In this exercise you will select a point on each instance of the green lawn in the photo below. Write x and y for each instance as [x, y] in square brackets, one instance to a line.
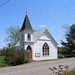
[2, 62]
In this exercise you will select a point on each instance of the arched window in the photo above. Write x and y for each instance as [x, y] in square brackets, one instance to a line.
[45, 49]
[28, 48]
[28, 37]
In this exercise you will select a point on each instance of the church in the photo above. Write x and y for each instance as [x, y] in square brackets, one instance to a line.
[41, 44]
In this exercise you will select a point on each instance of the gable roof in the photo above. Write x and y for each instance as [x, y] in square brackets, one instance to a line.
[52, 37]
[26, 24]
[38, 34]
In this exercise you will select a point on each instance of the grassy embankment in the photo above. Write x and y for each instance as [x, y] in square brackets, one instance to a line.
[2, 62]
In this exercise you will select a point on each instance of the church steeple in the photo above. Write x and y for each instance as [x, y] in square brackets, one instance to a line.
[26, 24]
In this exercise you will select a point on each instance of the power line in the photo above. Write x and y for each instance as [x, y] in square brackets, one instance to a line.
[4, 3]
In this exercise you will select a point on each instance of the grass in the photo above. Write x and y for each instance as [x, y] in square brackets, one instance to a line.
[2, 62]
[72, 72]
[62, 70]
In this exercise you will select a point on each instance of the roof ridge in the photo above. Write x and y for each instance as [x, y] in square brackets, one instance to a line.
[40, 30]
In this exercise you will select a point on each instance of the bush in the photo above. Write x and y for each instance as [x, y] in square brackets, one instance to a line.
[2, 51]
[9, 56]
[2, 62]
[60, 56]
[20, 57]
[13, 57]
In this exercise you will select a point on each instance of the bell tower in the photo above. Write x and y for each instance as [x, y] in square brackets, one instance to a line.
[26, 32]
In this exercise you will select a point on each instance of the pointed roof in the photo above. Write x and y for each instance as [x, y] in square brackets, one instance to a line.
[38, 34]
[26, 24]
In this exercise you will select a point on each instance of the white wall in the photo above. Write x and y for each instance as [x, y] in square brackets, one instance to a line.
[37, 46]
[38, 49]
[25, 37]
[24, 33]
[23, 40]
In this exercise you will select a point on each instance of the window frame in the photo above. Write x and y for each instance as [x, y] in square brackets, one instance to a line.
[29, 37]
[45, 50]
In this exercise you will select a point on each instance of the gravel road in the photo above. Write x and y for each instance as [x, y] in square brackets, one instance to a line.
[37, 68]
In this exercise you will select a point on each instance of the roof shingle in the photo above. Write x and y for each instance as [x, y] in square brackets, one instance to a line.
[26, 24]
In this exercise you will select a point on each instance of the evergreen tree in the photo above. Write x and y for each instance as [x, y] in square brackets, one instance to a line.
[69, 45]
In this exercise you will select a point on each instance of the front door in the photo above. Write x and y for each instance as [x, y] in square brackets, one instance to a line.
[28, 53]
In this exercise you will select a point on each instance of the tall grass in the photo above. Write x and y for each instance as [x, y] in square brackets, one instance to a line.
[62, 70]
[2, 62]
[72, 72]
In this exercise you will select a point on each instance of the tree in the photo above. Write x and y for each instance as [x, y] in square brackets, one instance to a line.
[69, 45]
[3, 51]
[13, 35]
[60, 52]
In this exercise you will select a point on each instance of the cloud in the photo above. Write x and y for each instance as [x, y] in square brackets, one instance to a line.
[42, 26]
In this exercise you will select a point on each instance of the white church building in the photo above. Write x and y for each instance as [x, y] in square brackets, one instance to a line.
[41, 44]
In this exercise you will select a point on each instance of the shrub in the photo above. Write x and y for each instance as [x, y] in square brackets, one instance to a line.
[60, 56]
[2, 62]
[9, 56]
[3, 51]
[13, 57]
[20, 57]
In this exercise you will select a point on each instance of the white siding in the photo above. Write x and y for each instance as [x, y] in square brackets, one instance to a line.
[44, 37]
[38, 44]
[38, 49]
[26, 37]
[24, 33]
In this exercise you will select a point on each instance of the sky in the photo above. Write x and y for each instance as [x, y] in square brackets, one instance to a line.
[50, 14]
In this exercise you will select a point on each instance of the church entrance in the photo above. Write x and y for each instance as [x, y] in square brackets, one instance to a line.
[28, 53]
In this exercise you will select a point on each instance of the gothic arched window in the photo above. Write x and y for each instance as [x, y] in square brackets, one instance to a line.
[45, 49]
[28, 37]
[28, 48]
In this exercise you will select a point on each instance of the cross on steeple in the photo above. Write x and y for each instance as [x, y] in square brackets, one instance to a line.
[26, 12]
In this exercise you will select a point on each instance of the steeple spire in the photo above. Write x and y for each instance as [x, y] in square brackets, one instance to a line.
[26, 24]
